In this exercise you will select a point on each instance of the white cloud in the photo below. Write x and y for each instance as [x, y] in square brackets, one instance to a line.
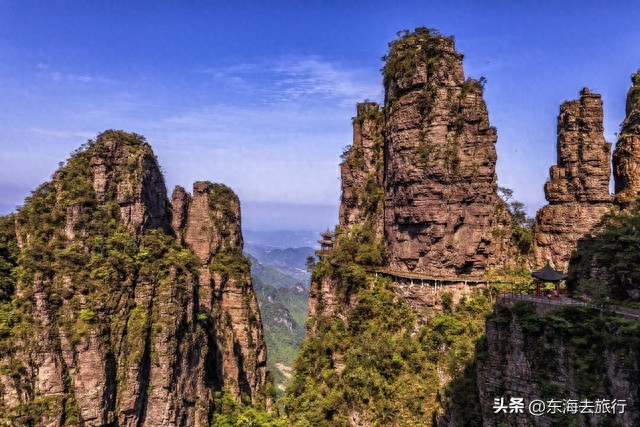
[305, 77]
[272, 130]
[300, 78]
[66, 76]
[61, 133]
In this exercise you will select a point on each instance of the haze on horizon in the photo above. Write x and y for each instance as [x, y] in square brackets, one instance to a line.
[260, 97]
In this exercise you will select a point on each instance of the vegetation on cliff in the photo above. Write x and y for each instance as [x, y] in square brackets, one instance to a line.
[97, 299]
[370, 193]
[380, 366]
[571, 352]
[521, 226]
[79, 286]
[606, 265]
[8, 257]
[355, 251]
[411, 51]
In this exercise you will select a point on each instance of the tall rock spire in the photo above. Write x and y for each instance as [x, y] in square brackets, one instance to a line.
[626, 157]
[225, 291]
[578, 187]
[362, 171]
[441, 186]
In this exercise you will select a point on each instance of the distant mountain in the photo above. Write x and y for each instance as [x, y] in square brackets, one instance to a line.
[272, 276]
[283, 306]
[290, 261]
[282, 238]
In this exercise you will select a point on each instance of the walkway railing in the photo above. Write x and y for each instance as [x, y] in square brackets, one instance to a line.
[542, 300]
[565, 301]
[439, 283]
[398, 276]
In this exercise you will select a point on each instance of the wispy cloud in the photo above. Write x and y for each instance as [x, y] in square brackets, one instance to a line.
[311, 76]
[300, 78]
[60, 133]
[72, 77]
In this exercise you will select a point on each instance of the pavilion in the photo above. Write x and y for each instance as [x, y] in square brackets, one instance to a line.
[326, 244]
[548, 274]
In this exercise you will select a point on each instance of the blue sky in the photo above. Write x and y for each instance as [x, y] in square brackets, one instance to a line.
[259, 95]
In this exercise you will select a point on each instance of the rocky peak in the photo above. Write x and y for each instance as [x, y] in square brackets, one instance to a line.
[124, 167]
[180, 201]
[362, 171]
[122, 323]
[582, 172]
[213, 220]
[578, 187]
[440, 181]
[211, 228]
[626, 157]
[419, 58]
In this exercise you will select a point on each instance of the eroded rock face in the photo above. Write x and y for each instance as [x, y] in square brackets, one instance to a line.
[578, 188]
[536, 361]
[225, 289]
[125, 163]
[180, 201]
[626, 157]
[441, 190]
[362, 172]
[327, 299]
[123, 325]
[362, 204]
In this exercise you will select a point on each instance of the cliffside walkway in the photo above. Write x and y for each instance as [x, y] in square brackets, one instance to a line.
[566, 301]
[411, 280]
[404, 277]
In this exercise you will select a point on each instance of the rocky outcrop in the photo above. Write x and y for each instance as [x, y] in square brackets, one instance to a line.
[626, 157]
[180, 201]
[225, 291]
[327, 298]
[361, 206]
[538, 353]
[127, 163]
[578, 188]
[441, 202]
[362, 171]
[111, 320]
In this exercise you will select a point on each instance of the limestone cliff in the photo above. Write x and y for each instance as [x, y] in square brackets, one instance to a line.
[212, 231]
[107, 319]
[419, 195]
[578, 188]
[135, 175]
[362, 172]
[441, 202]
[569, 353]
[626, 157]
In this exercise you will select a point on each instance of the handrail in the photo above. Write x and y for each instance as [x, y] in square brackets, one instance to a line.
[564, 301]
[557, 301]
[543, 300]
[417, 276]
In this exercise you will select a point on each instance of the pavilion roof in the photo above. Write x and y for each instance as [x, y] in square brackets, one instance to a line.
[548, 274]
[327, 234]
